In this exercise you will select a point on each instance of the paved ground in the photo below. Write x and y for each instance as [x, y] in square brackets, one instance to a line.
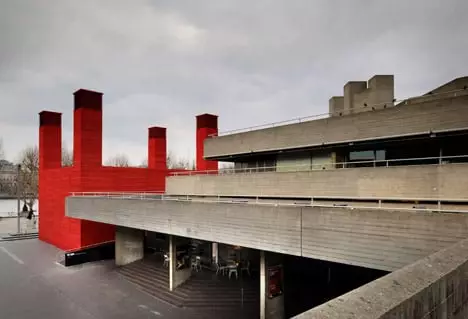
[10, 225]
[33, 285]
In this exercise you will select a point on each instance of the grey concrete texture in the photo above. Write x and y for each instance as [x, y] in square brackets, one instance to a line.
[418, 116]
[129, 245]
[433, 287]
[415, 181]
[380, 239]
[33, 286]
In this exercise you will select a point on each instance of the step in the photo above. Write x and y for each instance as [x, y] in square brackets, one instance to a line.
[146, 281]
[165, 296]
[17, 238]
[23, 234]
[153, 273]
[156, 290]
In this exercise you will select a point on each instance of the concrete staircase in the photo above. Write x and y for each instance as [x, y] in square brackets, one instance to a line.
[204, 291]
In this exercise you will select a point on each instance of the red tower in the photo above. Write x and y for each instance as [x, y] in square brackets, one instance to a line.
[87, 173]
[207, 126]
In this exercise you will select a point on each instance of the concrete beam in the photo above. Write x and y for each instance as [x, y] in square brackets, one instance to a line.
[380, 239]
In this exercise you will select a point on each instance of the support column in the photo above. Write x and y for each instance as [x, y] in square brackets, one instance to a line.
[172, 262]
[271, 306]
[176, 276]
[262, 285]
[129, 245]
[214, 252]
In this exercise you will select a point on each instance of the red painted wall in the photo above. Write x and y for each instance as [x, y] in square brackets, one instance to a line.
[87, 173]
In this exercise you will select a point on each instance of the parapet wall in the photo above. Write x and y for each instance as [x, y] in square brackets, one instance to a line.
[433, 287]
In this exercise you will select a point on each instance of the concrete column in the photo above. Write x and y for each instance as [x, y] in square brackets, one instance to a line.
[269, 308]
[262, 285]
[172, 261]
[176, 276]
[128, 245]
[214, 252]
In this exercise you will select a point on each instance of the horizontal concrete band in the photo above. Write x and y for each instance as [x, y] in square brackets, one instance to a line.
[432, 182]
[386, 240]
[433, 287]
[431, 115]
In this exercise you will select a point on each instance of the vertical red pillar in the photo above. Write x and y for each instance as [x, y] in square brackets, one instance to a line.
[157, 148]
[87, 129]
[50, 140]
[207, 125]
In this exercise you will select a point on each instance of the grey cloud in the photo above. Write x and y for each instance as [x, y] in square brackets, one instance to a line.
[161, 63]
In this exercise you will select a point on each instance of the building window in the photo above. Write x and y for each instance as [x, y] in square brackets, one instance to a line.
[366, 158]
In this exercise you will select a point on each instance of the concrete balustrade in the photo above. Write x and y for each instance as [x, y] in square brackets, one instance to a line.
[414, 181]
[433, 287]
[414, 117]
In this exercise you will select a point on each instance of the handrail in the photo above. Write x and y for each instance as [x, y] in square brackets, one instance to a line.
[296, 120]
[307, 167]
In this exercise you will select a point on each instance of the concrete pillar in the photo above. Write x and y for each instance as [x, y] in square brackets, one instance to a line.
[129, 245]
[172, 261]
[262, 285]
[176, 276]
[214, 252]
[270, 308]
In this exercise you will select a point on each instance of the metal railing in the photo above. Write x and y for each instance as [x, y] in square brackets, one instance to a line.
[439, 160]
[389, 104]
[382, 203]
[122, 195]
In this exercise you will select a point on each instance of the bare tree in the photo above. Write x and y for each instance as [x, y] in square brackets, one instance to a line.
[67, 155]
[28, 183]
[179, 163]
[119, 160]
[2, 151]
[144, 163]
[172, 162]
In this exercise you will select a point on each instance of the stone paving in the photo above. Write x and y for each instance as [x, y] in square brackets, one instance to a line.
[33, 285]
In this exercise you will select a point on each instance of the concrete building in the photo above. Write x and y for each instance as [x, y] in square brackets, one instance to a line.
[375, 183]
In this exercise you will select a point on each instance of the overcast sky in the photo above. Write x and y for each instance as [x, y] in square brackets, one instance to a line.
[251, 62]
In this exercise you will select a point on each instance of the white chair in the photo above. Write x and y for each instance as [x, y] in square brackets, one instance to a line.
[220, 268]
[196, 264]
[166, 260]
[233, 270]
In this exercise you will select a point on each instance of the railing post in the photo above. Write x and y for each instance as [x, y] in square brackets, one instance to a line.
[439, 206]
[380, 203]
[386, 163]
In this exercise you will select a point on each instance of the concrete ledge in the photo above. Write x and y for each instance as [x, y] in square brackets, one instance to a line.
[433, 287]
[414, 181]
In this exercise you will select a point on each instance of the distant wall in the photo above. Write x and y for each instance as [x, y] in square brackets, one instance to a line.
[433, 287]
